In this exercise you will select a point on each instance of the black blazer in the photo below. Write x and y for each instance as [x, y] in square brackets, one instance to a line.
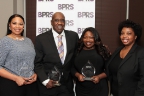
[47, 56]
[130, 72]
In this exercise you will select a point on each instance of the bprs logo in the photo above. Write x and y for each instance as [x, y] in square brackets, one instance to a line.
[43, 30]
[80, 30]
[85, 0]
[45, 14]
[69, 22]
[65, 6]
[45, 0]
[85, 14]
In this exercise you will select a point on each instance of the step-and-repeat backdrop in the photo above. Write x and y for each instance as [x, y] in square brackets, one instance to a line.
[79, 14]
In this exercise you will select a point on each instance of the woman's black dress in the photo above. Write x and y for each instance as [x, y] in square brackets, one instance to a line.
[88, 88]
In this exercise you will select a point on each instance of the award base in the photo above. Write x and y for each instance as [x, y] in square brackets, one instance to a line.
[88, 78]
[57, 83]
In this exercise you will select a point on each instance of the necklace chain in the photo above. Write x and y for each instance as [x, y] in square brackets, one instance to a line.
[19, 39]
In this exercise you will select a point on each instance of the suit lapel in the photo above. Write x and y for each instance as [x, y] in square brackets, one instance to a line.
[52, 43]
[51, 39]
[68, 46]
[128, 55]
[111, 58]
[113, 55]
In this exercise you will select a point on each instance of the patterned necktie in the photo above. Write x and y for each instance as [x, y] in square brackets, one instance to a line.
[60, 48]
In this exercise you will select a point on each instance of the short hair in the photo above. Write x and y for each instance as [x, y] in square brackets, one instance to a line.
[10, 19]
[130, 24]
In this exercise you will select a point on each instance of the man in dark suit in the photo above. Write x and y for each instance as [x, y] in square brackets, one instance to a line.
[47, 56]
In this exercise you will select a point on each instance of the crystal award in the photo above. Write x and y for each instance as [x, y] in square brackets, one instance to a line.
[88, 70]
[55, 75]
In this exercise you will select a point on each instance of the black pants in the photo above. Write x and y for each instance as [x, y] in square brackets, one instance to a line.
[57, 91]
[10, 88]
[63, 90]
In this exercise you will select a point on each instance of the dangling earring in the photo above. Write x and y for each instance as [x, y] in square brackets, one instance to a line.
[135, 37]
[9, 28]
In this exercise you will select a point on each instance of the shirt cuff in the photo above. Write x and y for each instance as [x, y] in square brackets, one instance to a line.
[45, 82]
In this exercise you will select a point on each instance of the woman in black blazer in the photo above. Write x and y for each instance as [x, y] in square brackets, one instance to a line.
[126, 65]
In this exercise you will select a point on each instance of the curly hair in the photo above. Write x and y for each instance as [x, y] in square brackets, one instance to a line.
[130, 24]
[99, 46]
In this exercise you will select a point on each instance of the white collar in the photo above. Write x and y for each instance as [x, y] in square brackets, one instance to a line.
[55, 34]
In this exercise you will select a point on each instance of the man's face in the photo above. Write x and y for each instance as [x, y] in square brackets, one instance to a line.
[58, 22]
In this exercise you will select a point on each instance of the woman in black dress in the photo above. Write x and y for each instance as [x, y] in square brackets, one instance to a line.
[91, 51]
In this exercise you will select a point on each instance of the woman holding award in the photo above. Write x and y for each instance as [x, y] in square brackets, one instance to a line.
[17, 77]
[89, 65]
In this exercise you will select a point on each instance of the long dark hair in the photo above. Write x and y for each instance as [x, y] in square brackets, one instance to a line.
[9, 21]
[99, 46]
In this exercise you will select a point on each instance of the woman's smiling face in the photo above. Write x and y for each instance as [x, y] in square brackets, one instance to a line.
[88, 40]
[128, 36]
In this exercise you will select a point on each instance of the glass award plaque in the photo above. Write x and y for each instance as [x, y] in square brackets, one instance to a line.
[55, 75]
[23, 70]
[88, 70]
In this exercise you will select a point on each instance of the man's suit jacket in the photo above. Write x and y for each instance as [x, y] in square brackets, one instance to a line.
[47, 56]
[130, 72]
